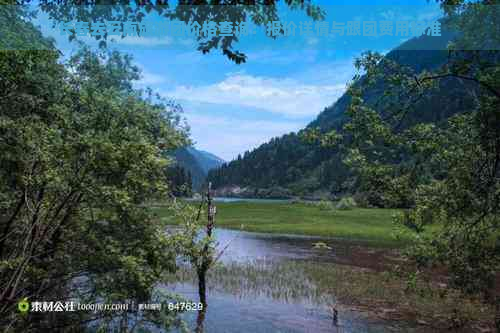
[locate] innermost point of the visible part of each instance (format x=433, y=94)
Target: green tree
x=79, y=158
x=445, y=173
x=180, y=181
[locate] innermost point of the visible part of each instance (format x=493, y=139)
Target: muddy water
x=249, y=303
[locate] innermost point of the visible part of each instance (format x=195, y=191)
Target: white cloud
x=238, y=124
x=278, y=58
x=312, y=41
x=388, y=15
x=144, y=41
x=149, y=79
x=284, y=96
x=430, y=15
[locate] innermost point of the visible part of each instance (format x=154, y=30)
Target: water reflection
x=230, y=313
x=243, y=246
x=200, y=319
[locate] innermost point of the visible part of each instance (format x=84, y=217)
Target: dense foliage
x=180, y=181
x=272, y=164
x=80, y=154
x=449, y=175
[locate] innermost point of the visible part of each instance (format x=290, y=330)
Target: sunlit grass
x=358, y=224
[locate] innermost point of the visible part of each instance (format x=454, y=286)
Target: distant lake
x=231, y=199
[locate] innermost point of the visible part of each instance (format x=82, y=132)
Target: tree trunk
x=497, y=315
x=202, y=287
x=203, y=268
x=200, y=319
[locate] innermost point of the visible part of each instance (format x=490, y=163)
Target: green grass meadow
x=358, y=224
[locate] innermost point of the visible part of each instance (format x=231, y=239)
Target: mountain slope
x=198, y=163
x=207, y=161
x=288, y=162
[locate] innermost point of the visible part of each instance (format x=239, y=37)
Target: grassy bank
x=358, y=224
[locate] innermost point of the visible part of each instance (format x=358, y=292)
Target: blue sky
x=282, y=86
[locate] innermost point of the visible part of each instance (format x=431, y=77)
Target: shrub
x=362, y=200
x=325, y=205
x=346, y=203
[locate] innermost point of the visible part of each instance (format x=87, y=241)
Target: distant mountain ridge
x=198, y=163
x=206, y=160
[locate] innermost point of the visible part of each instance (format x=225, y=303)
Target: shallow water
x=242, y=246
x=232, y=199
x=247, y=303
x=230, y=313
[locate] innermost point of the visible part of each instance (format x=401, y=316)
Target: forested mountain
x=180, y=181
x=197, y=164
x=207, y=161
x=299, y=168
